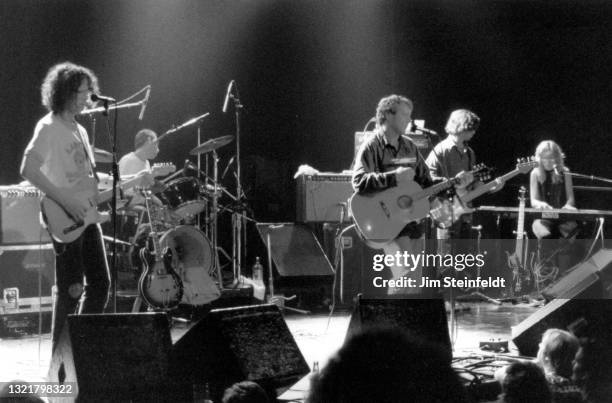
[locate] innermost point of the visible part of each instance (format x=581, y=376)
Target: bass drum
x=193, y=261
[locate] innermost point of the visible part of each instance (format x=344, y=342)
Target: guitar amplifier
x=321, y=197
x=19, y=216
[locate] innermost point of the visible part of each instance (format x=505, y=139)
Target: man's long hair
x=61, y=84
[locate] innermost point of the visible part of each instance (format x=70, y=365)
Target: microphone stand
x=104, y=109
x=591, y=178
x=237, y=217
x=182, y=126
x=112, y=136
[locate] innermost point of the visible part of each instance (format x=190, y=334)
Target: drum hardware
x=239, y=224
x=117, y=241
x=214, y=220
x=213, y=191
x=175, y=129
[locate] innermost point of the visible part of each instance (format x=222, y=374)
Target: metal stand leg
x=278, y=300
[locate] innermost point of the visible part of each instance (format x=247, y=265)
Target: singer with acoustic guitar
x=388, y=159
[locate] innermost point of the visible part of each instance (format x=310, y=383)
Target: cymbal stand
x=199, y=165
x=237, y=217
x=213, y=215
x=204, y=181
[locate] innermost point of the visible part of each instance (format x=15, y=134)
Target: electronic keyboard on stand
x=580, y=214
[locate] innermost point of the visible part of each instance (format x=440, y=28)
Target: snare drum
x=183, y=196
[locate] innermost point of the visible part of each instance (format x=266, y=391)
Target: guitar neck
x=157, y=170
x=488, y=186
x=437, y=188
x=107, y=194
x=520, y=229
x=155, y=226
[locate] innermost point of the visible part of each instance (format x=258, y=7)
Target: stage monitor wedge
x=235, y=344
x=114, y=356
x=421, y=318
x=580, y=301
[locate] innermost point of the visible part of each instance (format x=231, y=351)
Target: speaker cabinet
x=114, y=356
x=19, y=216
x=235, y=344
x=579, y=302
x=422, y=318
x=29, y=269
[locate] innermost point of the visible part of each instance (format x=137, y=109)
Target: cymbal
x=102, y=156
x=211, y=145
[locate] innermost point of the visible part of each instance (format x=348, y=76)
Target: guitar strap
x=92, y=165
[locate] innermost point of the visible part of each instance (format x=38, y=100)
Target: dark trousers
x=81, y=275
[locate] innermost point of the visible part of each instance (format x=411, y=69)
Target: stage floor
x=318, y=337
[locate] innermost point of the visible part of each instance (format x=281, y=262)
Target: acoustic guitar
x=381, y=216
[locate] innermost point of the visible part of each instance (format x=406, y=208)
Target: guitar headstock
x=522, y=192
x=482, y=172
x=524, y=165
x=163, y=168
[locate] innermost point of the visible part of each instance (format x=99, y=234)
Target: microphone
x=103, y=98
x=229, y=164
x=144, y=103
x=557, y=170
x=426, y=131
x=227, y=95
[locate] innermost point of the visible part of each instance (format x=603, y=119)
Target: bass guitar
x=445, y=213
x=160, y=286
x=516, y=260
x=381, y=216
x=63, y=228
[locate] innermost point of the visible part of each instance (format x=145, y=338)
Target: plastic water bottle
x=201, y=393
x=258, y=271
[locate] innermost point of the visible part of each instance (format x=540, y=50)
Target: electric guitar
x=63, y=228
x=160, y=286
x=445, y=213
x=516, y=260
x=381, y=216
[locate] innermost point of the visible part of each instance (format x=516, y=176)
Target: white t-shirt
x=62, y=150
x=130, y=164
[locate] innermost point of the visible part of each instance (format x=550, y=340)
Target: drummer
x=145, y=148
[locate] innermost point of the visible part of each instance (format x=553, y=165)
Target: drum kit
x=182, y=201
